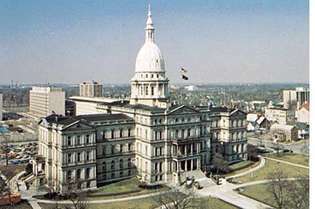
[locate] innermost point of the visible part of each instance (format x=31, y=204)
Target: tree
x=252, y=152
x=76, y=195
x=175, y=200
x=278, y=187
x=299, y=193
x=220, y=164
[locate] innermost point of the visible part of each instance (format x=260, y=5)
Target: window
x=146, y=90
x=87, y=173
x=69, y=141
x=120, y=148
x=113, y=149
x=79, y=157
x=129, y=162
x=69, y=175
x=112, y=165
x=104, y=166
x=69, y=158
x=78, y=174
x=121, y=133
x=104, y=150
x=129, y=147
x=78, y=140
x=152, y=90
x=87, y=138
x=129, y=132
x=88, y=155
x=121, y=163
x=188, y=133
x=112, y=133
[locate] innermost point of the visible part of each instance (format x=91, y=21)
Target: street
x=300, y=147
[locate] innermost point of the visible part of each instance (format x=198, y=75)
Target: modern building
x=147, y=137
x=284, y=133
x=294, y=99
x=302, y=96
x=91, y=89
x=45, y=101
x=1, y=107
x=289, y=99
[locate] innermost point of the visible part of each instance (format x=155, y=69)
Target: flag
x=184, y=71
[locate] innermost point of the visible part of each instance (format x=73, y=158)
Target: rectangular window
x=69, y=158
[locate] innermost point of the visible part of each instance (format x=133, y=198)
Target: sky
x=217, y=41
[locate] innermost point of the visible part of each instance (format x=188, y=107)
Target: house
x=283, y=133
x=303, y=114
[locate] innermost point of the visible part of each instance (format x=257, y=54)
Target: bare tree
x=76, y=195
x=174, y=200
x=299, y=193
x=279, y=188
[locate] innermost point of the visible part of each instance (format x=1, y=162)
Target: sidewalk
x=286, y=162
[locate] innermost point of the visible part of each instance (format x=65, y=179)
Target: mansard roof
x=63, y=120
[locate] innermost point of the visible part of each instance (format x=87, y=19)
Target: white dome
x=150, y=59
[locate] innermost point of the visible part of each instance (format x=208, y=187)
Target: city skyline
x=232, y=42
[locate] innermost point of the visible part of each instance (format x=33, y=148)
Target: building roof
x=251, y=117
x=63, y=120
x=281, y=127
x=306, y=106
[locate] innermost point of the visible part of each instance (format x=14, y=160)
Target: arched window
x=152, y=90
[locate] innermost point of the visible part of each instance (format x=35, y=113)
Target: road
x=300, y=147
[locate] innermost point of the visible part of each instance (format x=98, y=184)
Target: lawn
x=241, y=167
x=124, y=188
x=291, y=157
x=121, y=186
x=259, y=192
x=270, y=166
x=148, y=203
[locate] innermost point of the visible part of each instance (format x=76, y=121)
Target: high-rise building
x=302, y=96
x=91, y=89
x=47, y=100
x=289, y=99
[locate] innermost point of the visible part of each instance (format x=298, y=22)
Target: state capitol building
x=146, y=136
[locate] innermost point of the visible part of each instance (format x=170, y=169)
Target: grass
x=270, y=166
x=124, y=188
x=21, y=205
x=241, y=167
x=291, y=157
x=259, y=192
x=148, y=203
x=127, y=185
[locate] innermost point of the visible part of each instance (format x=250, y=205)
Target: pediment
x=77, y=125
x=237, y=112
x=182, y=110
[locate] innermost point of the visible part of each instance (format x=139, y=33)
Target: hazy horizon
x=218, y=41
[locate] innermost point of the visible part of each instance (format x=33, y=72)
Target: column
x=185, y=146
x=191, y=148
x=185, y=165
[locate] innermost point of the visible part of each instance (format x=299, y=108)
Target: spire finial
x=149, y=10
x=149, y=26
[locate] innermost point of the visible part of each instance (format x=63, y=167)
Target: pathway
x=286, y=162
x=261, y=164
